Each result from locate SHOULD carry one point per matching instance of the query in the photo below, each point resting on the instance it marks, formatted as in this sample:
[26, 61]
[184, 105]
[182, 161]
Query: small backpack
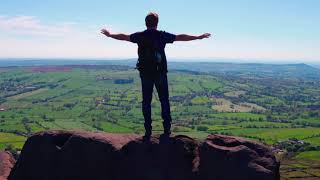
[150, 57]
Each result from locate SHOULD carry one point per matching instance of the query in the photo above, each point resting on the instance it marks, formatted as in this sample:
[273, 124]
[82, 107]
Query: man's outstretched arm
[122, 37]
[185, 37]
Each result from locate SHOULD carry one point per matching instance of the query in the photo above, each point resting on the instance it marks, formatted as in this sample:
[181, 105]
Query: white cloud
[29, 25]
[27, 36]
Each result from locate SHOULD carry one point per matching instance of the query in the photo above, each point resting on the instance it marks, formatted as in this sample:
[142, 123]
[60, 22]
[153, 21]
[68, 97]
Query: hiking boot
[147, 136]
[167, 132]
[164, 138]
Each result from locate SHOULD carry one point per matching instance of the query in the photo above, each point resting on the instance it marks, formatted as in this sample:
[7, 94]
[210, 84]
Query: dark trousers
[161, 84]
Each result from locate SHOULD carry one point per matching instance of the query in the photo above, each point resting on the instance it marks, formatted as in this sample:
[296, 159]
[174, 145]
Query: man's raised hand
[205, 35]
[121, 36]
[105, 32]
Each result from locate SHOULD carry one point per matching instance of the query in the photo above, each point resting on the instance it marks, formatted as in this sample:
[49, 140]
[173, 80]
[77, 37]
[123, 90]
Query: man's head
[152, 20]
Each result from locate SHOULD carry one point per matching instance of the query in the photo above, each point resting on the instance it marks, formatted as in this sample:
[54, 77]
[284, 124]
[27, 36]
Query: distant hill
[316, 65]
[45, 62]
[286, 70]
[281, 70]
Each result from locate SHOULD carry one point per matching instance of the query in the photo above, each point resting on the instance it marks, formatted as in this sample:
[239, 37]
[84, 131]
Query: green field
[11, 139]
[266, 109]
[310, 155]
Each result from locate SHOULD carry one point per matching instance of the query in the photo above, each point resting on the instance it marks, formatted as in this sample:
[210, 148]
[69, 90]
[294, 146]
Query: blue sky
[252, 30]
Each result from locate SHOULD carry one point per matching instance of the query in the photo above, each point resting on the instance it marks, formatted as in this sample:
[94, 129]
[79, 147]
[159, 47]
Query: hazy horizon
[172, 60]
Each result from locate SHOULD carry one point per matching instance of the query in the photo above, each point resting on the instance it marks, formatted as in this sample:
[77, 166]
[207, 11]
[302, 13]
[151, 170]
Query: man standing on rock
[152, 65]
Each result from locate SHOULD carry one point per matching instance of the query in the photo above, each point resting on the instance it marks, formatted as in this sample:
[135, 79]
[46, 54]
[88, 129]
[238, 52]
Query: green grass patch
[310, 155]
[7, 139]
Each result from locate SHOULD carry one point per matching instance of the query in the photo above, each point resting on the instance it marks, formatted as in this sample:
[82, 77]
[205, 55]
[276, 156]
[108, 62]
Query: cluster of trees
[305, 124]
[69, 105]
[265, 126]
[202, 128]
[46, 118]
[2, 100]
[293, 145]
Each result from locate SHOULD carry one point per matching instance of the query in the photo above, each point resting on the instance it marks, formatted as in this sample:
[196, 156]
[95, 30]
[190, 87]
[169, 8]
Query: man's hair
[152, 20]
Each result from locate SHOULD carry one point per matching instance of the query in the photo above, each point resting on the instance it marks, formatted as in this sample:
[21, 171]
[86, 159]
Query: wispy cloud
[70, 40]
[30, 25]
[76, 40]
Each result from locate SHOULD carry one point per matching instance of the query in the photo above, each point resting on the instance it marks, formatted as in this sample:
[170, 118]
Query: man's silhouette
[152, 65]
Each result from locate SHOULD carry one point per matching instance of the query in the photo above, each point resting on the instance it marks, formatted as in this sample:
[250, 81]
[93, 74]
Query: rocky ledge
[60, 155]
[6, 164]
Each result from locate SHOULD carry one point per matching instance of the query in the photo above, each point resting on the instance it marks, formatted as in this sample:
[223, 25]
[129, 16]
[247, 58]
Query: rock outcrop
[227, 157]
[6, 164]
[60, 155]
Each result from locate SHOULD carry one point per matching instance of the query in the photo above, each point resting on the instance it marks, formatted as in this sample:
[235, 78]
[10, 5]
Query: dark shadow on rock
[76, 155]
[169, 159]
[226, 157]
